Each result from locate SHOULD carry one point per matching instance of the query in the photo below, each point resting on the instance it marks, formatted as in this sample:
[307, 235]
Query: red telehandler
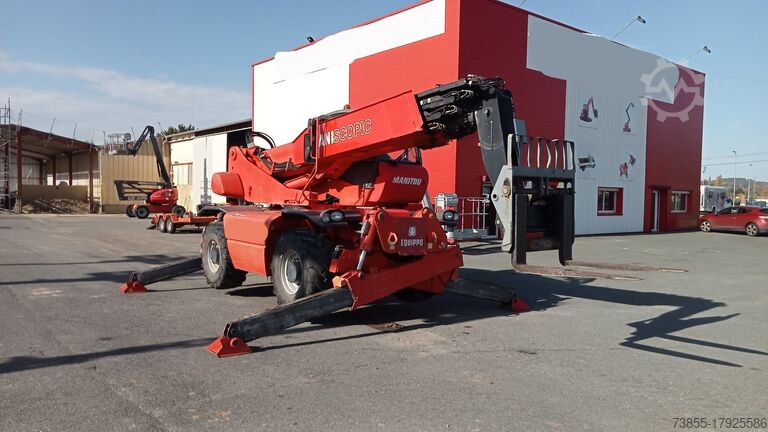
[336, 218]
[158, 197]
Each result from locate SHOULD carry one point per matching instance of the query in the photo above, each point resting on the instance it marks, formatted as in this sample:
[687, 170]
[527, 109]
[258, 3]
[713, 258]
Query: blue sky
[113, 66]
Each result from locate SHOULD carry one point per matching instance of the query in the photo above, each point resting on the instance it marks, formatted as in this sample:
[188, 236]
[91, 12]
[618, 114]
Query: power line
[731, 156]
[735, 163]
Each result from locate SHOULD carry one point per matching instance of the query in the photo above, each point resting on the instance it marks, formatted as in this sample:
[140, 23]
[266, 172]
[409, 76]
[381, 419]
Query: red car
[752, 220]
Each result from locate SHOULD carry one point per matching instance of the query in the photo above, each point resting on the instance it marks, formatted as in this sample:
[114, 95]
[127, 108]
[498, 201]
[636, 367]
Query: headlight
[333, 216]
[337, 216]
[450, 216]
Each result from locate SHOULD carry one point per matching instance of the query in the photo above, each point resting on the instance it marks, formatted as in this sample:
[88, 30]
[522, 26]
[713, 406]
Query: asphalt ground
[594, 354]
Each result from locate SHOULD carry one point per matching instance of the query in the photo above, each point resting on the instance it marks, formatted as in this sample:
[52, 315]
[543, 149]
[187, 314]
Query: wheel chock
[133, 287]
[227, 347]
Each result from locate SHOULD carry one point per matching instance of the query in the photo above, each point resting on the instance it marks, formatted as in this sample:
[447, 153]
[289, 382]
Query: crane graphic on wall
[624, 166]
[628, 129]
[585, 111]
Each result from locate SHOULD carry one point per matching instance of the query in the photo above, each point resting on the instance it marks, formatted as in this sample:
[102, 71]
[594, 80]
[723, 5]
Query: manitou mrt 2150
[337, 217]
[335, 209]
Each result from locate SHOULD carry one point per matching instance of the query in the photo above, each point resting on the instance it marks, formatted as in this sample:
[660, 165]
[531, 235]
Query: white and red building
[636, 118]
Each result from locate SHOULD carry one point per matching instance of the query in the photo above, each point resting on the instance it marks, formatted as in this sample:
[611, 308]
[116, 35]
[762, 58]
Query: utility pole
[734, 177]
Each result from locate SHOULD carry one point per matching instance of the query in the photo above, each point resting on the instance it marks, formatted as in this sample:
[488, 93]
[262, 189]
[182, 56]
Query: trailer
[170, 222]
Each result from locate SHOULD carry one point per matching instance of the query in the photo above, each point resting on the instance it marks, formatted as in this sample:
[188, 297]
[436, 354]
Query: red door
[732, 220]
[742, 218]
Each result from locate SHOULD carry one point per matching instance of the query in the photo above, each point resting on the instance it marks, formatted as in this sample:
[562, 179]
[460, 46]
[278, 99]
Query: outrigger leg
[272, 321]
[487, 291]
[138, 280]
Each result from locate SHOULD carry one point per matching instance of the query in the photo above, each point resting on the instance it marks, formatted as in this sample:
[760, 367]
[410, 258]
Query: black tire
[160, 225]
[141, 212]
[752, 230]
[178, 210]
[217, 264]
[170, 227]
[129, 211]
[300, 265]
[705, 226]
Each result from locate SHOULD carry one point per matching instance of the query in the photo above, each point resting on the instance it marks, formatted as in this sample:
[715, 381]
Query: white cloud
[114, 101]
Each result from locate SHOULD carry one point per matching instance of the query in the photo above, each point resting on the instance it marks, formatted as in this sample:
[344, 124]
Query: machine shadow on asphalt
[110, 276]
[541, 292]
[25, 363]
[545, 292]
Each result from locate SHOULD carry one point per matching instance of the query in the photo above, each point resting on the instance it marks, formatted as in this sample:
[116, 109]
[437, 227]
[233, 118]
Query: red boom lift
[158, 197]
[336, 219]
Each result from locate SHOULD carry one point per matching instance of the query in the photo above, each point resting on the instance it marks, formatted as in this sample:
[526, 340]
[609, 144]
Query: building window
[182, 174]
[609, 201]
[680, 201]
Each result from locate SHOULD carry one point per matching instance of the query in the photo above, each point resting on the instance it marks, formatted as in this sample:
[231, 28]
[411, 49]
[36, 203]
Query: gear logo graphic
[656, 85]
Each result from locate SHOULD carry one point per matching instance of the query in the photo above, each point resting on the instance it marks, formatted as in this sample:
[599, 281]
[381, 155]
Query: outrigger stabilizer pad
[138, 280]
[228, 346]
[133, 287]
[518, 305]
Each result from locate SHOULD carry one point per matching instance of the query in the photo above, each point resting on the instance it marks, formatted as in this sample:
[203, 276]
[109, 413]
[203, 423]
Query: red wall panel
[673, 152]
[493, 41]
[417, 66]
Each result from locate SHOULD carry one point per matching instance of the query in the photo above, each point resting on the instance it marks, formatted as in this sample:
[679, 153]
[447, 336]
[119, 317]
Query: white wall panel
[182, 151]
[209, 153]
[610, 74]
[314, 80]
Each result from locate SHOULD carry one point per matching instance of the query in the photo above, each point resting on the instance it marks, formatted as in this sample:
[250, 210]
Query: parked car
[748, 219]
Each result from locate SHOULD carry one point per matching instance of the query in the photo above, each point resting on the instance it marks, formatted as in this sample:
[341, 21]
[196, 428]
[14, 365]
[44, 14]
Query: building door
[656, 210]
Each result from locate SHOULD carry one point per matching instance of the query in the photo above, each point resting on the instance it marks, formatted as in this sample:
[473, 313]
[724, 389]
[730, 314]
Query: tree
[178, 129]
[719, 180]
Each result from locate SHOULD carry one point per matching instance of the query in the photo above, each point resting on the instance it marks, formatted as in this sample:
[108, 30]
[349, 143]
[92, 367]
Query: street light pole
[638, 19]
[749, 174]
[734, 177]
[704, 48]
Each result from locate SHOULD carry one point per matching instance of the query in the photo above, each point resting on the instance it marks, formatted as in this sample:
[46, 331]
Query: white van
[713, 198]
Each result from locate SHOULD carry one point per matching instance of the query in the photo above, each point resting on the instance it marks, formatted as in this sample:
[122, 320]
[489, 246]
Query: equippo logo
[412, 231]
[656, 85]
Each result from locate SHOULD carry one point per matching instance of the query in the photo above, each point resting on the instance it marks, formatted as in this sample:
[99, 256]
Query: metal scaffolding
[5, 158]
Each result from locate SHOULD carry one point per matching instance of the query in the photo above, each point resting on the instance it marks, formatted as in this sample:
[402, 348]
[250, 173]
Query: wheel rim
[213, 256]
[706, 226]
[168, 224]
[290, 272]
[751, 229]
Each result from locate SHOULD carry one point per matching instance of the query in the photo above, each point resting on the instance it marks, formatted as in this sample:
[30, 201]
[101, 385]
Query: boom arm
[318, 159]
[133, 149]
